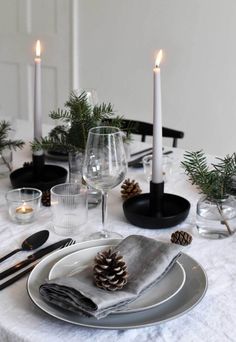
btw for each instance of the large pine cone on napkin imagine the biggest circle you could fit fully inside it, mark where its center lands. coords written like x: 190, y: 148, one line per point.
x: 110, y: 271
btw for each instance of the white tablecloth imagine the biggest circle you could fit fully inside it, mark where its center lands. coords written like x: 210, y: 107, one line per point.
x: 213, y: 319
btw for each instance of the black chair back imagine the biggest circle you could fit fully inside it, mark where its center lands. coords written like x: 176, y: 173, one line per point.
x: 146, y: 129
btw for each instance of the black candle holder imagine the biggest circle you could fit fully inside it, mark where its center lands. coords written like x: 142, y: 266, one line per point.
x: 39, y: 175
x: 156, y: 209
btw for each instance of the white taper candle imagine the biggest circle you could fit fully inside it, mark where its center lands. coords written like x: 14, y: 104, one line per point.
x: 157, y: 173
x: 37, y: 94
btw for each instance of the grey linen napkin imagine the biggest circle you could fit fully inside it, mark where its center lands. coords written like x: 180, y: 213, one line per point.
x: 147, y: 262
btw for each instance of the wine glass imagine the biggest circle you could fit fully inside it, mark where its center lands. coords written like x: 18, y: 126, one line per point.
x: 104, y: 166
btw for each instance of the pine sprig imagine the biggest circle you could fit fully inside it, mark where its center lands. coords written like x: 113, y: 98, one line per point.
x: 214, y: 182
x: 60, y: 114
x: 59, y: 144
x: 5, y: 142
x: 75, y: 122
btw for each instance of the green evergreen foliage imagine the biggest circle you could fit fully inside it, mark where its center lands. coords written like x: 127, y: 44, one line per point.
x: 75, y: 122
x: 215, y: 181
x: 5, y: 142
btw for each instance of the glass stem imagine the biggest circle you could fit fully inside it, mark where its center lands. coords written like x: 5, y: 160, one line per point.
x: 104, y: 213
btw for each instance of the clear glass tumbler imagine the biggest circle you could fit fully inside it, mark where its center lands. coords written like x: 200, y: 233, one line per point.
x: 216, y: 219
x: 76, y: 160
x: 166, y: 167
x: 69, y: 208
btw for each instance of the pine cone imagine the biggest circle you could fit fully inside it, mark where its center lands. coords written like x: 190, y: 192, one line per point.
x: 130, y: 189
x: 46, y: 198
x: 181, y: 238
x: 110, y: 271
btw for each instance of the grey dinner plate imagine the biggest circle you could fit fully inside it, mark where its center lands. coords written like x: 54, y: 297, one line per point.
x: 190, y: 295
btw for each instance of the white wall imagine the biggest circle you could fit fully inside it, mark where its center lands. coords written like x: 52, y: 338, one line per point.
x: 118, y: 43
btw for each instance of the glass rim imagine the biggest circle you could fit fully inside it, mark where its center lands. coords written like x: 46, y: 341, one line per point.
x: 116, y: 130
x: 21, y: 200
x: 145, y: 158
x: 68, y: 184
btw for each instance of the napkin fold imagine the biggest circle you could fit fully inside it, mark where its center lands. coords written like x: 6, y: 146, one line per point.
x: 147, y: 261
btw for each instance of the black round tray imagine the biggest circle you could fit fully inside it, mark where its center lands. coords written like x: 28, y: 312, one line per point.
x: 50, y: 175
x: 174, y: 210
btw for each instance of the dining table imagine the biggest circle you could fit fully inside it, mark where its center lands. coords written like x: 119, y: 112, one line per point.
x: 210, y: 318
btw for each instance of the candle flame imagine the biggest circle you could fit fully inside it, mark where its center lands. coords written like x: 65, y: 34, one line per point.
x: 159, y: 58
x: 23, y: 207
x: 38, y: 48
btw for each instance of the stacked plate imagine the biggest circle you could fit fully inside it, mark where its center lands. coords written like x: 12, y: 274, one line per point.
x: 178, y: 292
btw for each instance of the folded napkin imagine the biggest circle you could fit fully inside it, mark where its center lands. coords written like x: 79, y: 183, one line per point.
x: 147, y: 262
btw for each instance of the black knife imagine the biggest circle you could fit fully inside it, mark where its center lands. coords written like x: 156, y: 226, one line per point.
x: 138, y: 161
x: 140, y: 152
x: 17, y: 277
x: 35, y: 256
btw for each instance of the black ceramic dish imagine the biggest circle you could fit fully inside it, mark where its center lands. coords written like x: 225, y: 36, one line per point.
x: 50, y: 175
x: 156, y: 209
x: 137, y: 211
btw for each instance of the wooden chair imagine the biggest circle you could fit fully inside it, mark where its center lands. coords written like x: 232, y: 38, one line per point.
x: 146, y: 129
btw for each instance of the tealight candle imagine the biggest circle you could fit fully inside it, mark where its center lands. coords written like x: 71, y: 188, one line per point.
x: 24, y: 212
x: 23, y: 204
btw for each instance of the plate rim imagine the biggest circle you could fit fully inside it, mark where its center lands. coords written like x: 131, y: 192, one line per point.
x: 176, y: 291
x: 120, y: 326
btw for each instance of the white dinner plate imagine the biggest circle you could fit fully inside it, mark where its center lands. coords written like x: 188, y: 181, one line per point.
x: 190, y: 295
x: 165, y: 289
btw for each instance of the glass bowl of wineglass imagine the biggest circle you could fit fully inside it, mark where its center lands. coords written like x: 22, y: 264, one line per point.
x: 104, y: 166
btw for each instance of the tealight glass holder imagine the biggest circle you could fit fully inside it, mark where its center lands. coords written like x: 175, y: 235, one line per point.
x: 23, y: 204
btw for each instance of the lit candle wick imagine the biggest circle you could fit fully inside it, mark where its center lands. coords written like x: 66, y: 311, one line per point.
x: 24, y: 210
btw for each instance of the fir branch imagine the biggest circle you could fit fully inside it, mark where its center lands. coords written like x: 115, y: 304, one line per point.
x: 75, y: 122
x: 58, y: 132
x: 5, y: 129
x: 216, y: 182
x: 103, y: 111
x: 51, y: 144
x: 60, y: 115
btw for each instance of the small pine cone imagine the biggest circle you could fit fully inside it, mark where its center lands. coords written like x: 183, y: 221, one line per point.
x: 46, y: 198
x: 181, y: 238
x: 130, y: 188
x: 110, y: 271
x: 27, y: 164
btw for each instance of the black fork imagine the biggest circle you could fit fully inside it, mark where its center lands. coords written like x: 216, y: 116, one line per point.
x: 28, y: 270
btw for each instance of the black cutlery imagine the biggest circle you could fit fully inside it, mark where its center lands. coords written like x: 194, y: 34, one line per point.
x: 27, y: 270
x: 138, y: 161
x: 140, y: 152
x: 17, y: 277
x: 167, y: 152
x: 32, y: 242
x: 35, y: 256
